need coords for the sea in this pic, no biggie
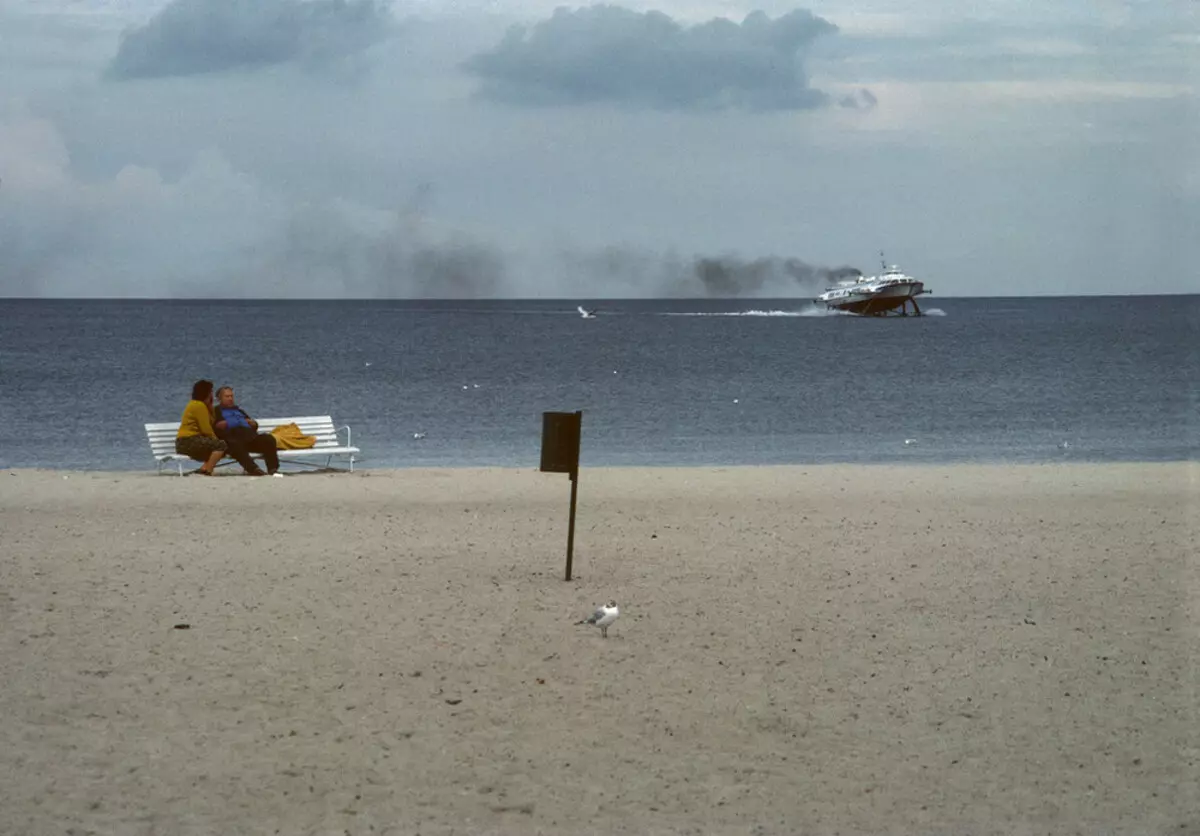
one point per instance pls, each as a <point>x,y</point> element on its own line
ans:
<point>679,382</point>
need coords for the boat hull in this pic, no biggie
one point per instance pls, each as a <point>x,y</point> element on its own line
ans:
<point>884,301</point>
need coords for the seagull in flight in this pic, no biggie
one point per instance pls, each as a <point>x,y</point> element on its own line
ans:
<point>585,313</point>
<point>603,617</point>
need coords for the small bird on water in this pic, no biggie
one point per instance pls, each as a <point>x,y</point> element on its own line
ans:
<point>603,617</point>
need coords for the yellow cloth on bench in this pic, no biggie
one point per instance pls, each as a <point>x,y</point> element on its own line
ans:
<point>289,437</point>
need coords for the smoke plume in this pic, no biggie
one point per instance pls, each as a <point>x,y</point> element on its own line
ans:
<point>213,231</point>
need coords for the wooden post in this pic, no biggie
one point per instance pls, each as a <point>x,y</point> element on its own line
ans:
<point>571,522</point>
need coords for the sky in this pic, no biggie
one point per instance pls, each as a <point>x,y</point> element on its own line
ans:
<point>680,148</point>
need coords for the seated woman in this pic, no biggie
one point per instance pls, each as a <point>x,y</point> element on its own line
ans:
<point>196,438</point>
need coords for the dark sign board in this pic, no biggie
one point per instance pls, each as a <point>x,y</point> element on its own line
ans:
<point>560,441</point>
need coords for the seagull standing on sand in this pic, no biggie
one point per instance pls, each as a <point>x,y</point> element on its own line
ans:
<point>603,617</point>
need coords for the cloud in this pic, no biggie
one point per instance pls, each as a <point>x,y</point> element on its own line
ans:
<point>132,234</point>
<point>193,37</point>
<point>212,231</point>
<point>611,54</point>
<point>1035,46</point>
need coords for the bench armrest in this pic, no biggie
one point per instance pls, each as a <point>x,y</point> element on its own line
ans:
<point>347,429</point>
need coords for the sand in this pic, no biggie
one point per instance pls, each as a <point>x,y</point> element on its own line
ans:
<point>841,649</point>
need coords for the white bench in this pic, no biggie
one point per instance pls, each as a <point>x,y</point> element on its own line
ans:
<point>162,442</point>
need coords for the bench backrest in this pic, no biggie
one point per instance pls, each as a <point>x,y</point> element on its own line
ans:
<point>162,436</point>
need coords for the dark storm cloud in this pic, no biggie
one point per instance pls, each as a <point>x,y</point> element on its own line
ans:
<point>192,37</point>
<point>611,54</point>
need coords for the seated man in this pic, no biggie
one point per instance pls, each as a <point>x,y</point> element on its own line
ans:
<point>240,433</point>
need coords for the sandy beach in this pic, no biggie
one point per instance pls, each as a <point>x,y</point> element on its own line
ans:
<point>838,649</point>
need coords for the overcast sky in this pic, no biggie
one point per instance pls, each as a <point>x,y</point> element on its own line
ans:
<point>516,148</point>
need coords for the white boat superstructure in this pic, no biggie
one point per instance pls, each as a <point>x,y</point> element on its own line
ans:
<point>891,292</point>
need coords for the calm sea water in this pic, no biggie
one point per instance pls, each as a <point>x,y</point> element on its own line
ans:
<point>679,382</point>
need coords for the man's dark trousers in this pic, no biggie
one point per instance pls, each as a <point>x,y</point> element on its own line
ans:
<point>243,441</point>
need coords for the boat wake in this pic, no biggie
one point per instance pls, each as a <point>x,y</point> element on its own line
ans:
<point>805,312</point>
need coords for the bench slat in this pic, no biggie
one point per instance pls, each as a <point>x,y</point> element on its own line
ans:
<point>264,422</point>
<point>319,433</point>
<point>327,434</point>
<point>322,439</point>
<point>169,449</point>
<point>283,454</point>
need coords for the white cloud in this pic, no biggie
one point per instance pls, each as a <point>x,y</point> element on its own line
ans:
<point>132,234</point>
